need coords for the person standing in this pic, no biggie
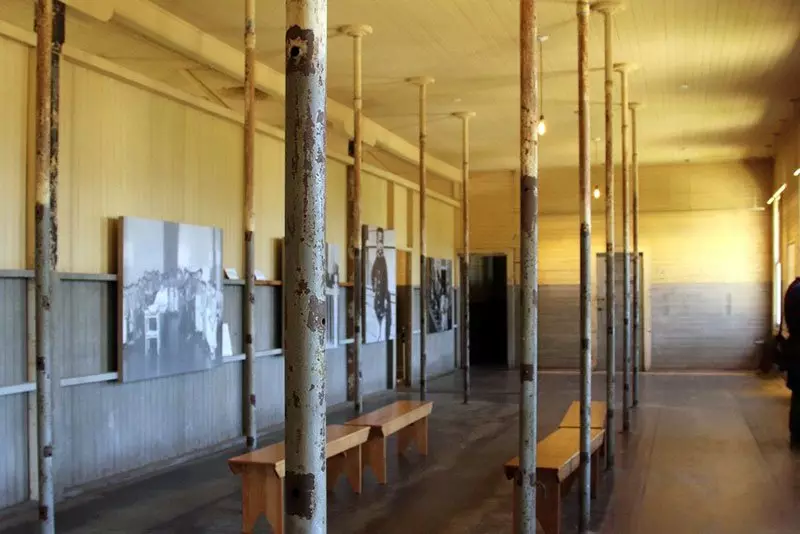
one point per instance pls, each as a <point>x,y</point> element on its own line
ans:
<point>789,360</point>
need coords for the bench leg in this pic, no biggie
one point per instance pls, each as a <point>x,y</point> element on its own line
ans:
<point>262,493</point>
<point>548,504</point>
<point>275,502</point>
<point>374,456</point>
<point>350,464</point>
<point>417,433</point>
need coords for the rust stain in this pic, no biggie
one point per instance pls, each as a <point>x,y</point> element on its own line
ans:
<point>252,399</point>
<point>317,310</point>
<point>529,201</point>
<point>300,51</point>
<point>526,372</point>
<point>300,491</point>
<point>47,451</point>
<point>248,339</point>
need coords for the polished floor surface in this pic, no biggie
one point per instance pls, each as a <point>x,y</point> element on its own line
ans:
<point>707,454</point>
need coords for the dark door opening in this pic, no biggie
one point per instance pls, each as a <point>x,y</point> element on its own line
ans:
<point>488,310</point>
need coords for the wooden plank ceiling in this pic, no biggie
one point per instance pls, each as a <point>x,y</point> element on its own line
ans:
<point>716,76</point>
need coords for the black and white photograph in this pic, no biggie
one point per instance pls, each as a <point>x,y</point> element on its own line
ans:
<point>440,295</point>
<point>380,283</point>
<point>332,295</point>
<point>170,298</point>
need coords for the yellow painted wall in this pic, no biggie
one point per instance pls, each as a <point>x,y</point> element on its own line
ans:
<point>698,223</point>
<point>13,146</point>
<point>787,160</point>
<point>129,150</point>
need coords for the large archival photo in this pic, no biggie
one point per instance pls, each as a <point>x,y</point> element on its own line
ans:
<point>170,298</point>
<point>440,294</point>
<point>380,283</point>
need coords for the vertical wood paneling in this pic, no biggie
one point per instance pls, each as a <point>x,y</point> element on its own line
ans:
<point>374,192</point>
<point>269,200</point>
<point>84,340</point>
<point>13,147</point>
<point>132,152</point>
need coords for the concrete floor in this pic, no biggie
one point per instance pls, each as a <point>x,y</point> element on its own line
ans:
<point>708,454</point>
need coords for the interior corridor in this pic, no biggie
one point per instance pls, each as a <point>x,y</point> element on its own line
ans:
<point>708,454</point>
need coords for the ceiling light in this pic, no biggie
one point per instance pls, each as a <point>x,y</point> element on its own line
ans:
<point>456,100</point>
<point>596,192</point>
<point>797,171</point>
<point>541,128</point>
<point>684,86</point>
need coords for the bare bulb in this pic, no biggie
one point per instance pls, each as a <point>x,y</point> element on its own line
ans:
<point>596,192</point>
<point>541,128</point>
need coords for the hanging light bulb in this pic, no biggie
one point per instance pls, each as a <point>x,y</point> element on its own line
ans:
<point>596,192</point>
<point>541,128</point>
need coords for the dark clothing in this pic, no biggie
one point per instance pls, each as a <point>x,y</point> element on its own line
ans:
<point>790,355</point>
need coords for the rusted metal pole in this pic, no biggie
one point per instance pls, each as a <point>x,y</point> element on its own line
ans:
<point>423,82</point>
<point>43,267</point>
<point>637,268</point>
<point>59,34</point>
<point>465,116</point>
<point>585,177</point>
<point>529,257</point>
<point>250,425</point>
<point>624,69</point>
<point>304,283</point>
<point>608,9</point>
<point>357,32</point>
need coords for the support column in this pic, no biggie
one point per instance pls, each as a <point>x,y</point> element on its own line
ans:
<point>250,425</point>
<point>463,321</point>
<point>354,266</point>
<point>624,69</point>
<point>43,263</point>
<point>304,282</point>
<point>525,482</point>
<point>636,263</point>
<point>608,9</point>
<point>585,184</point>
<point>423,82</point>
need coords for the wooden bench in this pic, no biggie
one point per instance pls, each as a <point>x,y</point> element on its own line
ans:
<point>408,419</point>
<point>263,471</point>
<point>572,419</point>
<point>558,460</point>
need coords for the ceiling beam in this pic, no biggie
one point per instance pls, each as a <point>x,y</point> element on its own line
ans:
<point>161,26</point>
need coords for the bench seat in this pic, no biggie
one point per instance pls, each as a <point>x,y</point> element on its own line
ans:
<point>406,418</point>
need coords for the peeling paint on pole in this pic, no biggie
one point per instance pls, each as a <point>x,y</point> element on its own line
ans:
<point>529,247</point>
<point>43,268</point>
<point>306,53</point>
<point>624,69</point>
<point>59,34</point>
<point>464,266</point>
<point>354,266</point>
<point>585,177</point>
<point>636,260</point>
<point>249,395</point>
<point>423,82</point>
<point>608,9</point>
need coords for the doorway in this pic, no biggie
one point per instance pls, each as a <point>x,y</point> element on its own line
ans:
<point>488,309</point>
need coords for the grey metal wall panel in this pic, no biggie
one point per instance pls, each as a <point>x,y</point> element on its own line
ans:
<point>270,387</point>
<point>13,450</point>
<point>13,366</point>
<point>619,307</point>
<point>110,428</point>
<point>336,376</point>
<point>268,315</point>
<point>374,368</point>
<point>708,326</point>
<point>440,346</point>
<point>84,337</point>
<point>232,314</point>
<point>559,326</point>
